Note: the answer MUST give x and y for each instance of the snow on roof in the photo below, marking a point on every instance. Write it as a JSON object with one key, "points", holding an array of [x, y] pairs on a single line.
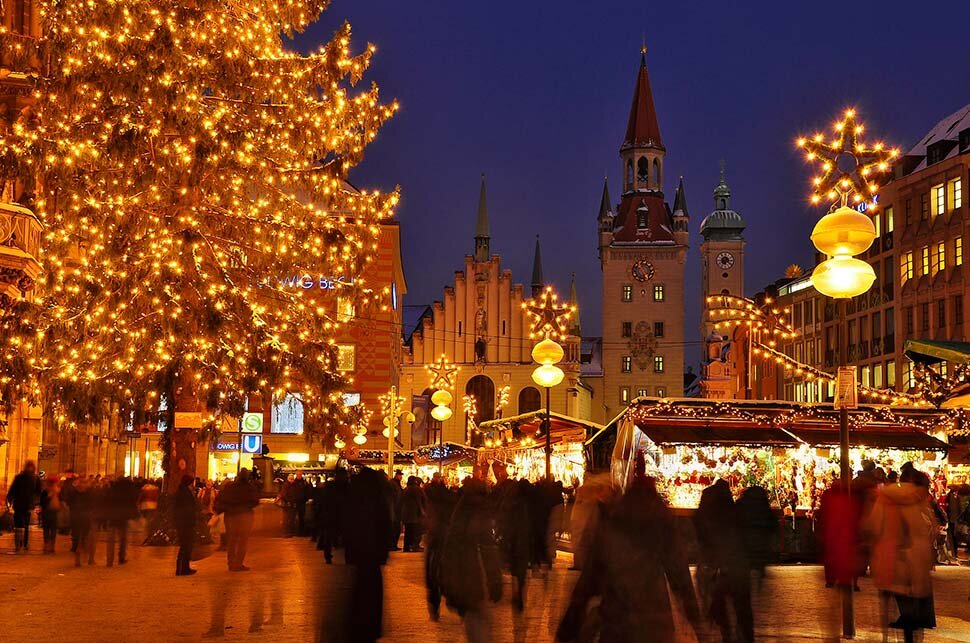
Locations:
{"points": [[947, 129]]}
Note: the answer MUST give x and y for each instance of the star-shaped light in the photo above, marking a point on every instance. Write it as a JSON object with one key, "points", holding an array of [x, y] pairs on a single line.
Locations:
{"points": [[548, 317], [850, 171], [442, 373]]}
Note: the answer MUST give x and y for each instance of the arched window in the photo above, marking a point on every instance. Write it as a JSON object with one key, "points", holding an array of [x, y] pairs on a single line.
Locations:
{"points": [[643, 171], [426, 429], [656, 173], [629, 174], [529, 400], [480, 347], [483, 389], [722, 204]]}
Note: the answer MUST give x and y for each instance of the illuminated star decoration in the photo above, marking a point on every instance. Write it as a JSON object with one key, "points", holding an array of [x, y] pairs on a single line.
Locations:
{"points": [[850, 170], [548, 317], [442, 373], [765, 319]]}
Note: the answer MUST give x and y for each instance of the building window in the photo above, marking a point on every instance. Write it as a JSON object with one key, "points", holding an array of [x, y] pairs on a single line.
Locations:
{"points": [[346, 357], [924, 260], [941, 313], [924, 311], [957, 309], [958, 251], [924, 206], [877, 223], [345, 308], [626, 329], [865, 376], [661, 391], [658, 364], [877, 375], [642, 392], [287, 415], [503, 328], [459, 329], [658, 292], [626, 364], [940, 257], [658, 329], [624, 395], [891, 373], [955, 193], [627, 294], [890, 220], [906, 267], [938, 199], [909, 381], [908, 319], [909, 211]]}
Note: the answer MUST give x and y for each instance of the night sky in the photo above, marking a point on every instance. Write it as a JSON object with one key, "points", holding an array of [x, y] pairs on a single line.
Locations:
{"points": [[536, 95]]}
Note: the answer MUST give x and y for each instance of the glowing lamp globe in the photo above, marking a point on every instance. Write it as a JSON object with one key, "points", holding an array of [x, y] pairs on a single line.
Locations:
{"points": [[360, 438], [843, 232], [338, 443], [386, 433], [441, 413], [547, 375], [843, 277], [547, 352], [441, 397]]}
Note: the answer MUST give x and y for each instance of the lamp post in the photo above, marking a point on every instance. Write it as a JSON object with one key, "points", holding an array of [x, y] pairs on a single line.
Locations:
{"points": [[443, 376], [848, 171], [547, 375]]}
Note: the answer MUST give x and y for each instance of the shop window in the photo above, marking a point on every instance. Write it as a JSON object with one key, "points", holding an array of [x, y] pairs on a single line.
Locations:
{"points": [[346, 358], [627, 293], [287, 417], [658, 329], [658, 292], [626, 329], [658, 364], [626, 364]]}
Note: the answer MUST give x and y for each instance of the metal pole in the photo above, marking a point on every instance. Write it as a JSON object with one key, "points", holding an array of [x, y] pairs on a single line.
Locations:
{"points": [[239, 448], [391, 425], [441, 446], [848, 612], [548, 438], [748, 392]]}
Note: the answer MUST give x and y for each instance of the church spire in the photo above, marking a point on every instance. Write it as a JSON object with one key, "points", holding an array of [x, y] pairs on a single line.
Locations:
{"points": [[642, 129], [680, 200], [605, 208], [575, 329], [537, 282], [482, 237]]}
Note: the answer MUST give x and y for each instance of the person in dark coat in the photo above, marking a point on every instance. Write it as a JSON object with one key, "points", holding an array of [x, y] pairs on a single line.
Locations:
{"points": [[186, 509], [330, 513], [837, 524], [471, 570], [366, 525], [237, 500], [759, 527], [83, 529], [50, 504], [395, 493], [723, 561], [22, 496], [120, 506], [441, 506], [513, 528], [632, 562], [413, 514]]}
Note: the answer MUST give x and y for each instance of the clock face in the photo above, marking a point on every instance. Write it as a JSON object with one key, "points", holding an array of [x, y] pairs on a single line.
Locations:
{"points": [[725, 260], [642, 270]]}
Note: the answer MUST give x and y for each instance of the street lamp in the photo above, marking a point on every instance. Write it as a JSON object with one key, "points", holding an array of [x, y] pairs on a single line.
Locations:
{"points": [[849, 169], [547, 375]]}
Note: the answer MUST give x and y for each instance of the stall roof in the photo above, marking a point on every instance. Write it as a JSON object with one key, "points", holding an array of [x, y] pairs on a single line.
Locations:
{"points": [[754, 436], [930, 352], [904, 440]]}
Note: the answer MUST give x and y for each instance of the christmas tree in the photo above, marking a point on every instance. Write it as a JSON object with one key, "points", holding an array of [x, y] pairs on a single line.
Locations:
{"points": [[186, 165]]}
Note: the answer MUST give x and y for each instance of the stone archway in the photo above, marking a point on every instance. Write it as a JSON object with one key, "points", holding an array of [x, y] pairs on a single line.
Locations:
{"points": [[482, 387]]}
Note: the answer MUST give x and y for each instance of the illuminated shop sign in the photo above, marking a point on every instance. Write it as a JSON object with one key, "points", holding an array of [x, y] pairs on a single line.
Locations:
{"points": [[868, 205], [306, 282]]}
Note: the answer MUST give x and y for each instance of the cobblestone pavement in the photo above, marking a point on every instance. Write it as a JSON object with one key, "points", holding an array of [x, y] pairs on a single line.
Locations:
{"points": [[291, 595]]}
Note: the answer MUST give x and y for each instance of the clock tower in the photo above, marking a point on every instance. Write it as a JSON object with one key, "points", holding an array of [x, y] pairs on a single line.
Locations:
{"points": [[722, 252], [642, 248]]}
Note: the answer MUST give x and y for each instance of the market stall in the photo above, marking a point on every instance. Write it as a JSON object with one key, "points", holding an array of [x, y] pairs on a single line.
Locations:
{"points": [[519, 442], [454, 461]]}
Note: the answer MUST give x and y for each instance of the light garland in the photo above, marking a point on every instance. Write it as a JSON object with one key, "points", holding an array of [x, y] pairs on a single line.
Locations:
{"points": [[764, 318]]}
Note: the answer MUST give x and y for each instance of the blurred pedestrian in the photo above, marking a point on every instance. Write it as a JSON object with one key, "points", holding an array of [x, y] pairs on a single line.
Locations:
{"points": [[723, 560], [471, 572], [366, 525], [441, 506], [395, 494], [237, 500], [331, 512], [510, 502], [413, 514], [50, 505], [903, 528], [120, 506], [630, 566], [186, 516], [22, 496], [593, 497], [286, 500], [759, 528], [838, 528], [300, 497], [83, 530]]}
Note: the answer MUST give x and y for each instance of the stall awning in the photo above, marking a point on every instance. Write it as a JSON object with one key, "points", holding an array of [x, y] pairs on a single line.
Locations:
{"points": [[903, 440], [718, 436], [931, 352], [565, 428]]}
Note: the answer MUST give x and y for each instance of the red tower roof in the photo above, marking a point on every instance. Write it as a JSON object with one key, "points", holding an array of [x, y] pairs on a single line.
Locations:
{"points": [[642, 129]]}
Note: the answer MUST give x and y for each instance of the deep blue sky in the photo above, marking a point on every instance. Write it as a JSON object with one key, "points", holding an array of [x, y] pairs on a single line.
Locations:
{"points": [[536, 95]]}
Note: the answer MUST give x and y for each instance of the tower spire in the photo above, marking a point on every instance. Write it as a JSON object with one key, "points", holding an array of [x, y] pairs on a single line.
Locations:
{"points": [[537, 282], [605, 208], [482, 237], [680, 200], [575, 329], [642, 128]]}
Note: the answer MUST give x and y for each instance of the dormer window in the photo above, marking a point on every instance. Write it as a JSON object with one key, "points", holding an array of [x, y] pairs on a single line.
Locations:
{"points": [[643, 219]]}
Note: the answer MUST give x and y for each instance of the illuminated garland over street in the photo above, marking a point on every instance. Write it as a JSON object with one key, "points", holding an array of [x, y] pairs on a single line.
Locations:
{"points": [[182, 161], [764, 319]]}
